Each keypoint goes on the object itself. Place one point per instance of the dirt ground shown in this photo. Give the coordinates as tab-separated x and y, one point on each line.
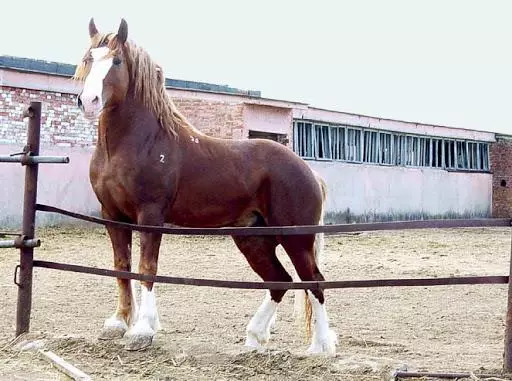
443	328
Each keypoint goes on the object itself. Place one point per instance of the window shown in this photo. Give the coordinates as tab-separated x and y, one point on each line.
338	143
483	159
437	153
462	155
324	141
473	155
370	152
385	148
449	153
354	145
411	150
399	142
303	141
424	152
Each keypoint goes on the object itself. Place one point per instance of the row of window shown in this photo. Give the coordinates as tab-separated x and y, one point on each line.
332	142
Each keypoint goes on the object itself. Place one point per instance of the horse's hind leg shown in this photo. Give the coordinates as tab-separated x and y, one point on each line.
260	253
118	323
301	252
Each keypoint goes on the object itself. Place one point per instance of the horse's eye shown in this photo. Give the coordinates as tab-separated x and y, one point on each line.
116	61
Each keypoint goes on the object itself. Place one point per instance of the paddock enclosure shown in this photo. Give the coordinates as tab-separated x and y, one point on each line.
446	328
453	327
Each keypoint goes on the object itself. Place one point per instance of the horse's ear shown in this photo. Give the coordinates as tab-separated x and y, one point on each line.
122	33
93	31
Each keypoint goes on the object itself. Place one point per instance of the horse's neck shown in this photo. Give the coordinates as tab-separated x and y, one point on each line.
128	124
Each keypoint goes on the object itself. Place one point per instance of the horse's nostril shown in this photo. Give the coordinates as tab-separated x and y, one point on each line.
79	102
95	100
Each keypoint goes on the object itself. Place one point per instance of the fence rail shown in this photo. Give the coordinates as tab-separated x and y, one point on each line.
18	244
26	242
26	159
305	285
288	230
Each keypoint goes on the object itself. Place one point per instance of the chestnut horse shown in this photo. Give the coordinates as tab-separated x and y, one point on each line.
151	167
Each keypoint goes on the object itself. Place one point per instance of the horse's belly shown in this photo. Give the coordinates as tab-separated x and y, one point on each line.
213	215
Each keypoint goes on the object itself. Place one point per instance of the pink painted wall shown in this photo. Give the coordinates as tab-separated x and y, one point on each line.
267	119
62	185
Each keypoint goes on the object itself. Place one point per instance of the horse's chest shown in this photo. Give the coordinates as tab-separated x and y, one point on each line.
111	184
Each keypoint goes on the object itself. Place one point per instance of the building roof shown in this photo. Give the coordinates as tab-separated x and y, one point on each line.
67	70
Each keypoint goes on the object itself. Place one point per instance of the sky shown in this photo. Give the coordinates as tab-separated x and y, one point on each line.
445	62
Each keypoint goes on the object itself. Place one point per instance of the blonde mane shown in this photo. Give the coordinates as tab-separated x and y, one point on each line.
146	77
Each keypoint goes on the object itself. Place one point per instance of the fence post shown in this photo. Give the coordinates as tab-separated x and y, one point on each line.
29	215
507	356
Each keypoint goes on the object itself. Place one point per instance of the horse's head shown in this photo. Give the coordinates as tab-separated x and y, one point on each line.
104	70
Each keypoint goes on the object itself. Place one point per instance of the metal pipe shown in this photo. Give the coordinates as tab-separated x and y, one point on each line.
10	243
24	304
26	159
311	285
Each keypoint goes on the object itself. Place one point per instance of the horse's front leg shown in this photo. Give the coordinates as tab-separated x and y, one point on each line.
140	335
126	311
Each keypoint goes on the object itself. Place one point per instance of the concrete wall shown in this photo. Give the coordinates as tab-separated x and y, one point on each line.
62	185
359	192
356	191
276	120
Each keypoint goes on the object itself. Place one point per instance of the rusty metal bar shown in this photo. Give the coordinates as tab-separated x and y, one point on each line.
10	233
29	216
402	374
311	285
29	160
12	243
507	356
288	230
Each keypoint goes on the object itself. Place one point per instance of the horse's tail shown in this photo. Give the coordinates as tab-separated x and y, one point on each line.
305	304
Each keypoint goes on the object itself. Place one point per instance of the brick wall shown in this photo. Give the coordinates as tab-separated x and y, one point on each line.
501	167
62	122
64	126
214	118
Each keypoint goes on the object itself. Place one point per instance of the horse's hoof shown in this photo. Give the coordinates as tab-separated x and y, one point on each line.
111	333
326	345
253	344
138	343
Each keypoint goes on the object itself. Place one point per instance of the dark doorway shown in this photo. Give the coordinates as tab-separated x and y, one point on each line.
280	138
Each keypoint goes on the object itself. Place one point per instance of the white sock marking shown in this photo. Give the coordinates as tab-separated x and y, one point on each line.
324	339
258	329
147	322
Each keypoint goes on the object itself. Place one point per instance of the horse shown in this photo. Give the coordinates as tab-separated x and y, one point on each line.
151	166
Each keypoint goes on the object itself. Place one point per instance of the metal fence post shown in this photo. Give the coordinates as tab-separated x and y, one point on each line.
507	356
29	214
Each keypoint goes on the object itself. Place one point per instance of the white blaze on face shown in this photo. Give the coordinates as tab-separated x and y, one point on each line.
91	97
